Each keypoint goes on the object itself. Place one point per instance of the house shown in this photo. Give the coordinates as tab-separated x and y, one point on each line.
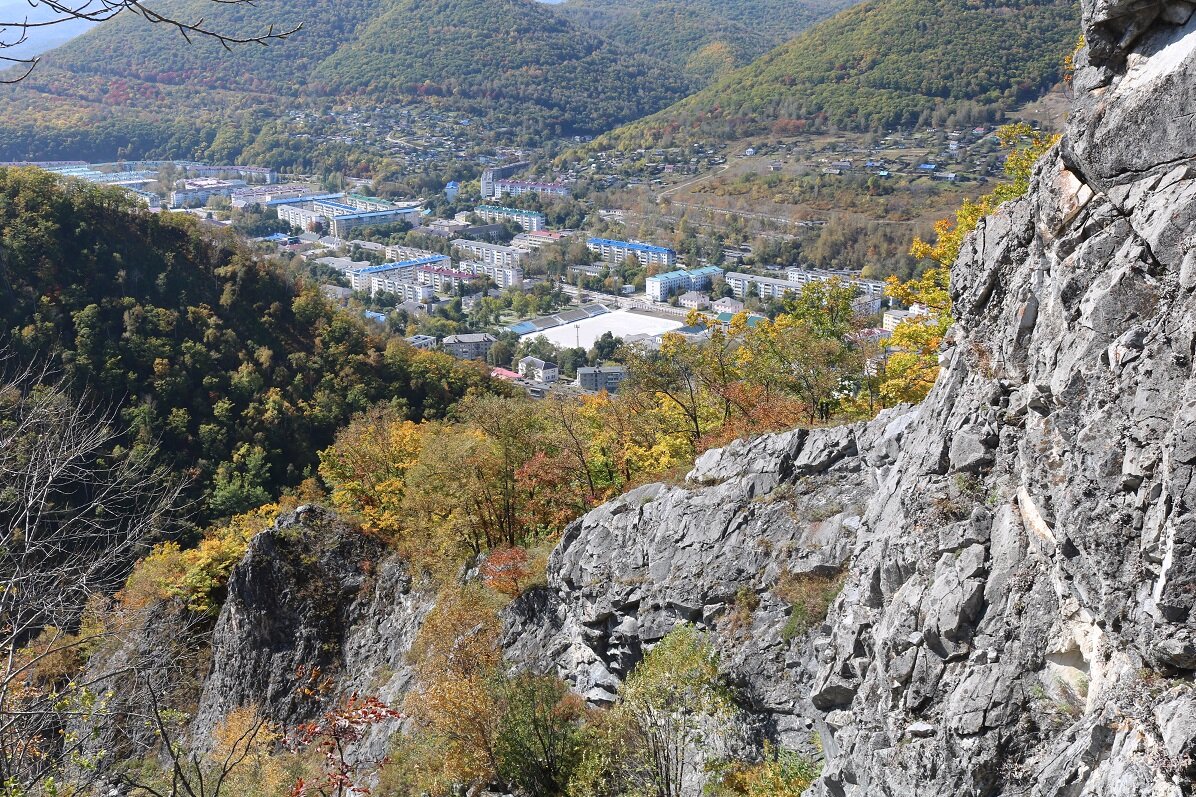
504	374
728	305
603	377
473	346
694	300
539	370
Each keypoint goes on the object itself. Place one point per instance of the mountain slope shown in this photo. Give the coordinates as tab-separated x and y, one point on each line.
883	64
704	36
509	63
510	51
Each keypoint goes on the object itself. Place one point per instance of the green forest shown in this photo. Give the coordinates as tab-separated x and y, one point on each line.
706	37
878	66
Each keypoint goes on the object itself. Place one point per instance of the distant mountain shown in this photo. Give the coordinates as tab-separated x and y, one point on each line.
36	40
512	63
882	64
706	37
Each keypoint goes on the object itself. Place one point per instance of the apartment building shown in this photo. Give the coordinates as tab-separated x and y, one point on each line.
490	254
617	251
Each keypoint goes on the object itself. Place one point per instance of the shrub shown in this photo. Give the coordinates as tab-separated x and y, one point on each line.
782	773
196	576
809	596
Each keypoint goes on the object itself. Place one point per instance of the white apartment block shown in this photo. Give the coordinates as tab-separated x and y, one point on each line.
409	253
520	187
406	290
263	194
503	276
661	286
200	191
866	287
342	213
362	279
490	254
529	220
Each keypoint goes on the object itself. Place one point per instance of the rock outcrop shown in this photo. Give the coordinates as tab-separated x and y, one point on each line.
716	552
1018	617
316	611
1019	614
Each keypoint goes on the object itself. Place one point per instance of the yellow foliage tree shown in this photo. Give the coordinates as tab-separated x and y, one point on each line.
367	467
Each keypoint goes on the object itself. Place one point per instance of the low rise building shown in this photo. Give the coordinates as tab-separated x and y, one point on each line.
661	286
473	346
264	194
694	300
539	370
727	305
198	192
533	241
894	318
599	378
422	342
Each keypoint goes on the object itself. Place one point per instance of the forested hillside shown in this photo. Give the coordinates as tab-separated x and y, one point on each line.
707	37
883	64
128	88
235	372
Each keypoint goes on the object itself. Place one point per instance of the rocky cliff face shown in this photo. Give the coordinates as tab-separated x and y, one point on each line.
1018	618
316	612
720	551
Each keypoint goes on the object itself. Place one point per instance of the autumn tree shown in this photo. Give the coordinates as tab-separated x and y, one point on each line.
673	699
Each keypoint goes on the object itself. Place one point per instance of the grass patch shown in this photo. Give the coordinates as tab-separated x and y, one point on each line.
809	596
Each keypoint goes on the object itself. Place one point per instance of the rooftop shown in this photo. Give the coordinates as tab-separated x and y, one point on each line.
423	261
631	245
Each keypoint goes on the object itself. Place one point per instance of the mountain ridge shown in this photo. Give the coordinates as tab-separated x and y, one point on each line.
870	68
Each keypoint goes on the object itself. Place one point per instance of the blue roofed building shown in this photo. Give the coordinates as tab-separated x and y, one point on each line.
618	251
